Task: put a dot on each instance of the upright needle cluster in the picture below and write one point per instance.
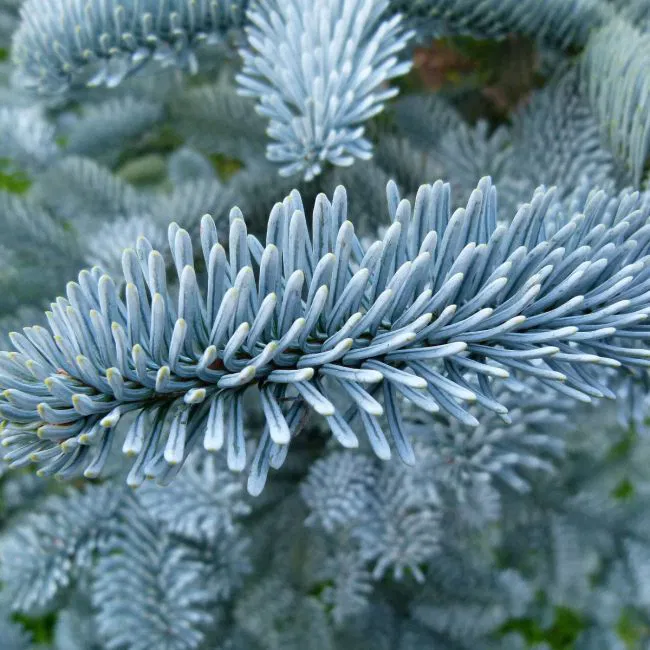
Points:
(314, 320)
(318, 69)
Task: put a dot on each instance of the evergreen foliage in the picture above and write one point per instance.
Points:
(366, 302)
(60, 43)
(325, 80)
(561, 23)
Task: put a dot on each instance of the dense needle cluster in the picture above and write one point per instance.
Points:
(60, 43)
(433, 312)
(327, 78)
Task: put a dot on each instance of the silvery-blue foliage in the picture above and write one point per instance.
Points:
(56, 545)
(27, 138)
(617, 89)
(385, 520)
(93, 191)
(63, 43)
(147, 593)
(325, 79)
(556, 141)
(217, 120)
(187, 165)
(636, 11)
(338, 489)
(36, 237)
(107, 128)
(113, 237)
(562, 23)
(402, 530)
(127, 553)
(202, 504)
(428, 314)
(450, 388)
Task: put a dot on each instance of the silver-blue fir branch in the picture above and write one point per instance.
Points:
(434, 313)
(618, 92)
(62, 43)
(319, 71)
(560, 23)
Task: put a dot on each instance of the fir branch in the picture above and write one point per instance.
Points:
(614, 70)
(37, 240)
(562, 23)
(556, 141)
(458, 339)
(26, 139)
(337, 489)
(214, 119)
(318, 71)
(92, 193)
(67, 43)
(401, 530)
(552, 298)
(55, 545)
(106, 128)
(147, 593)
